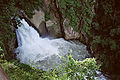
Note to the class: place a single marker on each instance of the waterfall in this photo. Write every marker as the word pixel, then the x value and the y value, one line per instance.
pixel 44 53
pixel 35 50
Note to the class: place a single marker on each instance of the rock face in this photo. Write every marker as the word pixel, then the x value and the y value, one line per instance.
pixel 54 31
pixel 70 33
pixel 53 28
pixel 53 25
pixel 38 20
pixel 105 30
pixel 50 27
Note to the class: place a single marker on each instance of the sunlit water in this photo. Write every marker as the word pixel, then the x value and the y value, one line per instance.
pixel 44 53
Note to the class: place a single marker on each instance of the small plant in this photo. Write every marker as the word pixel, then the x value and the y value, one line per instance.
pixel 1 53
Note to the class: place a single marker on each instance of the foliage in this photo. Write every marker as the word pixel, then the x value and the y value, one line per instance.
pixel 79 12
pixel 47 16
pixel 70 70
pixel 19 71
pixel 1 53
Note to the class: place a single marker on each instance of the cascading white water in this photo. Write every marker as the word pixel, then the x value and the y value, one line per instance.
pixel 45 52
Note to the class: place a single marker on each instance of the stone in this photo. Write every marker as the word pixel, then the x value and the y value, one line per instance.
pixel 70 33
pixel 53 29
pixel 38 18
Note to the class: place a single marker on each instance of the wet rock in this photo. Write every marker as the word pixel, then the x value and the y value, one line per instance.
pixel 53 29
pixel 38 18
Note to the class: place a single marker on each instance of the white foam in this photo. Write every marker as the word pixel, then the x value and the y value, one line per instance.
pixel 33 48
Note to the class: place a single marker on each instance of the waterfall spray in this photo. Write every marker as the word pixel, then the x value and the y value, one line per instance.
pixel 35 50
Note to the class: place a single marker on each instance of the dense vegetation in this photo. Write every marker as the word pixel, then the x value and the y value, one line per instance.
pixel 70 70
pixel 96 20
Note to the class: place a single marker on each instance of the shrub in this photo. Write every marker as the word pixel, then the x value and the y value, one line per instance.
pixel 70 69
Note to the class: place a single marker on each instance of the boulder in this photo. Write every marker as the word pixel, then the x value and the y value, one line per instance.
pixel 38 20
pixel 70 33
pixel 53 29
